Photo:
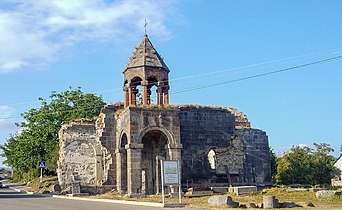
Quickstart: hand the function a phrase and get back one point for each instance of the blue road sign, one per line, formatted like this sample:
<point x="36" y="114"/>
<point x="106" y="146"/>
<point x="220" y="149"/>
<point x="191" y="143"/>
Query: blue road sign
<point x="41" y="164"/>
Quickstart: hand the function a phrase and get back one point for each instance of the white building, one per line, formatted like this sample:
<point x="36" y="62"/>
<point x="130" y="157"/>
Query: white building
<point x="337" y="181"/>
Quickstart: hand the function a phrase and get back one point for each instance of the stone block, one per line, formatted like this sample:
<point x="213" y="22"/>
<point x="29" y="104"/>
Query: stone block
<point x="325" y="194"/>
<point x="219" y="200"/>
<point x="252" y="206"/>
<point x="270" y="202"/>
<point x="219" y="189"/>
<point x="75" y="188"/>
<point x="243" y="190"/>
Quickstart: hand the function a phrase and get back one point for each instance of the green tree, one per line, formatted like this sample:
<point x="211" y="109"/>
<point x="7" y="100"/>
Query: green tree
<point x="274" y="163"/>
<point x="323" y="163"/>
<point x="294" y="167"/>
<point x="38" y="139"/>
<point x="304" y="165"/>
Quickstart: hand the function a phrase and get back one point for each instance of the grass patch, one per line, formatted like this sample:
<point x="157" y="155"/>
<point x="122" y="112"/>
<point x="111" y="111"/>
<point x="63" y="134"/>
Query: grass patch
<point x="202" y="202"/>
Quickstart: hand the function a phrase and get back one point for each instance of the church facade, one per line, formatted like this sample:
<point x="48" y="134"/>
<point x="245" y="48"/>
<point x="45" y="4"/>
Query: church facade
<point x="122" y="148"/>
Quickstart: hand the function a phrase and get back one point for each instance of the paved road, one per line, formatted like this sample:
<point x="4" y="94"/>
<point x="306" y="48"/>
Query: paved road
<point x="12" y="200"/>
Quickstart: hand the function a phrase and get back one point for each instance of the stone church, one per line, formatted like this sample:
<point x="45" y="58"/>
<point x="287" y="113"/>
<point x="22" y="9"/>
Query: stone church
<point x="122" y="148"/>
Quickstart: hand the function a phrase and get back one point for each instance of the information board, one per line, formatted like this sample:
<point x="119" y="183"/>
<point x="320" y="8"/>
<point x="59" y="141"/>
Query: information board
<point x="170" y="172"/>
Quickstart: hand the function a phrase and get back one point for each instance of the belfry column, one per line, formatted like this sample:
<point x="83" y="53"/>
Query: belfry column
<point x="130" y="92"/>
<point x="166" y="95"/>
<point x="134" y="96"/>
<point x="160" y="94"/>
<point x="134" y="168"/>
<point x="145" y="93"/>
<point x="126" y="97"/>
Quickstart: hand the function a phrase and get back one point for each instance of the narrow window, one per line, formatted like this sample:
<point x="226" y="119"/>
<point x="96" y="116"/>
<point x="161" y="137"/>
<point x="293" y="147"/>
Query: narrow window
<point x="212" y="159"/>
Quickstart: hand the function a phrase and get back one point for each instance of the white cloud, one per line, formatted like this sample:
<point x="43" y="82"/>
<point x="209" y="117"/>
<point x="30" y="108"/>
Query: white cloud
<point x="6" y="124"/>
<point x="302" y="145"/>
<point x="35" y="32"/>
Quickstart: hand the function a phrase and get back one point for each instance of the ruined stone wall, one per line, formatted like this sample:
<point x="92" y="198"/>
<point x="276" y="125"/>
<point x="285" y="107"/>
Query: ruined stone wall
<point x="106" y="130"/>
<point x="257" y="163"/>
<point x="80" y="155"/>
<point x="203" y="129"/>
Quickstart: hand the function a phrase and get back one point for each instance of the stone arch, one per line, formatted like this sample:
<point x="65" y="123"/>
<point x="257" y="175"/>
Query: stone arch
<point x="166" y="132"/>
<point x="118" y="142"/>
<point x="158" y="144"/>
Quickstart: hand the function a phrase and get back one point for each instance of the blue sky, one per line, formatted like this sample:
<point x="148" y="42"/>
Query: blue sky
<point x="51" y="45"/>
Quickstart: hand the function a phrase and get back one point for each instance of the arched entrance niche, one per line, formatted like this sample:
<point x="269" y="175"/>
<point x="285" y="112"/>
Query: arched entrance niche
<point x="154" y="149"/>
<point x="121" y="157"/>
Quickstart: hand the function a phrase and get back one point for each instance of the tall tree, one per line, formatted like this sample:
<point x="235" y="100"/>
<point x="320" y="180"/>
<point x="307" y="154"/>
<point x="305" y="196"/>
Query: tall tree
<point x="322" y="163"/>
<point x="304" y="165"/>
<point x="274" y="163"/>
<point x="38" y="139"/>
<point x="294" y="167"/>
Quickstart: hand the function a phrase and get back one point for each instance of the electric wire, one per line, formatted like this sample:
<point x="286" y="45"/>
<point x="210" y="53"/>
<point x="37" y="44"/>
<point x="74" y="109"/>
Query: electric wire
<point x="230" y="81"/>
<point x="308" y="55"/>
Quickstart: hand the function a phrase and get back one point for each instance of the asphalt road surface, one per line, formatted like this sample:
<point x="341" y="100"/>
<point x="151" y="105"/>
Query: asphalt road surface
<point x="13" y="200"/>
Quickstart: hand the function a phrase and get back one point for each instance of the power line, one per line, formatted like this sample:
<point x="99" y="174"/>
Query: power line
<point x="257" y="75"/>
<point x="312" y="55"/>
<point x="226" y="82"/>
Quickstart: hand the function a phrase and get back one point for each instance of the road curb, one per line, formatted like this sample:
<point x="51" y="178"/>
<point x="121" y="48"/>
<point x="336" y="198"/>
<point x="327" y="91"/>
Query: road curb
<point x="136" y="203"/>
<point x="112" y="201"/>
<point x="18" y="190"/>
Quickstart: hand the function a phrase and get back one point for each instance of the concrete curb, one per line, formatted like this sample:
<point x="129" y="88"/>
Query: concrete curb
<point x="18" y="190"/>
<point x="136" y="203"/>
<point x="29" y="193"/>
<point x="112" y="201"/>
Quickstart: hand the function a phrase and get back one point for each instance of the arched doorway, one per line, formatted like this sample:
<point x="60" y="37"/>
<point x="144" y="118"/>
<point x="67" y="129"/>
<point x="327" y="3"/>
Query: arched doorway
<point x="153" y="151"/>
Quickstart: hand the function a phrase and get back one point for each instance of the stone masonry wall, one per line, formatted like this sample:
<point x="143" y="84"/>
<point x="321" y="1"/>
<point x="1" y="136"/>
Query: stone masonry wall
<point x="106" y="130"/>
<point x="203" y="129"/>
<point x="257" y="166"/>
<point x="80" y="155"/>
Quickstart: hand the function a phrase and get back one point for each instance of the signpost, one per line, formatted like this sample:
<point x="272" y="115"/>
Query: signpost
<point x="170" y="176"/>
<point x="41" y="165"/>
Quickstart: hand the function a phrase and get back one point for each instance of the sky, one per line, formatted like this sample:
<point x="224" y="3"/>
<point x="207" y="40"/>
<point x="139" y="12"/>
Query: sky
<point x="218" y="52"/>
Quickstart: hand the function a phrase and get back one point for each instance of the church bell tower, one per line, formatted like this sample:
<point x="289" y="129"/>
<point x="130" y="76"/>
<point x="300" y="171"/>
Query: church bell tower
<point x="144" y="70"/>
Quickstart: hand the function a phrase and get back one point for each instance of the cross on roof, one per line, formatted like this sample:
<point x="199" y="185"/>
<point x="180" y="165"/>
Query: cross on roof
<point x="145" y="26"/>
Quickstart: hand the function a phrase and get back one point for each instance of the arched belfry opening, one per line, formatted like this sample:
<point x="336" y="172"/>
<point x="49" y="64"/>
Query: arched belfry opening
<point x="146" y="72"/>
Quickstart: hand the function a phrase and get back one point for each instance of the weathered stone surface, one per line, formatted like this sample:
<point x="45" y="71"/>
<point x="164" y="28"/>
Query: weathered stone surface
<point x="218" y="200"/>
<point x="219" y="189"/>
<point x="252" y="205"/>
<point x="270" y="202"/>
<point x="288" y="205"/>
<point x="315" y="189"/>
<point x="243" y="206"/>
<point x="56" y="188"/>
<point x="310" y="204"/>
<point x="325" y="194"/>
<point x="296" y="190"/>
<point x="231" y="203"/>
<point x="243" y="190"/>
<point x="80" y="155"/>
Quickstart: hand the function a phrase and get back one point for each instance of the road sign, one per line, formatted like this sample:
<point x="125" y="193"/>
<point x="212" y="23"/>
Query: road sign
<point x="41" y="164"/>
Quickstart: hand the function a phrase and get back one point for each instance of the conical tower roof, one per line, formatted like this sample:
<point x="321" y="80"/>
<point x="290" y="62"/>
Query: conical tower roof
<point x="145" y="55"/>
